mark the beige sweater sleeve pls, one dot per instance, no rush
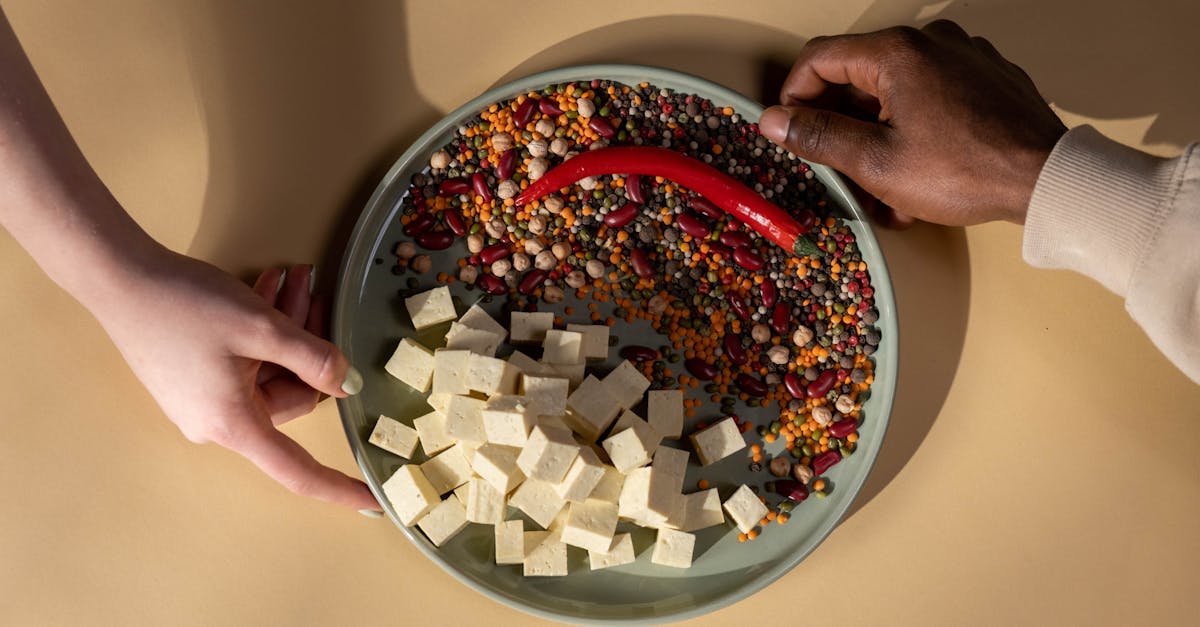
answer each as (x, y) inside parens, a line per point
(1132, 222)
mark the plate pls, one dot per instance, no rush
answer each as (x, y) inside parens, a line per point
(369, 318)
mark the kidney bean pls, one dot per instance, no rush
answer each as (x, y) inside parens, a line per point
(781, 318)
(602, 127)
(454, 220)
(506, 164)
(734, 350)
(843, 428)
(531, 281)
(793, 385)
(769, 292)
(641, 263)
(493, 253)
(524, 113)
(705, 207)
(435, 240)
(739, 307)
(751, 385)
(454, 186)
(548, 107)
(717, 248)
(735, 239)
(692, 225)
(639, 353)
(825, 461)
(418, 225)
(479, 184)
(700, 369)
(491, 284)
(748, 258)
(634, 190)
(807, 220)
(621, 216)
(822, 385)
(793, 490)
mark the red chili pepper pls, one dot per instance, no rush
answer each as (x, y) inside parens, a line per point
(741, 202)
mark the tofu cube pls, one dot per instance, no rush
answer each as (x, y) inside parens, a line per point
(497, 464)
(491, 376)
(573, 373)
(609, 486)
(439, 401)
(619, 554)
(464, 419)
(412, 364)
(510, 542)
(632, 447)
(450, 372)
(394, 437)
(673, 548)
(538, 501)
(702, 510)
(627, 384)
(590, 525)
(444, 521)
(745, 509)
(648, 498)
(547, 559)
(664, 411)
(530, 327)
(479, 341)
(593, 408)
(718, 442)
(429, 308)
(528, 365)
(672, 462)
(410, 493)
(485, 504)
(562, 347)
(582, 477)
(595, 339)
(431, 430)
(507, 420)
(548, 454)
(477, 318)
(447, 470)
(547, 395)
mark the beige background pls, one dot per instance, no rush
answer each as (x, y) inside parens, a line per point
(1041, 467)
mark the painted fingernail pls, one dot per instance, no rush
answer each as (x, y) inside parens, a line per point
(370, 513)
(774, 124)
(353, 383)
(312, 279)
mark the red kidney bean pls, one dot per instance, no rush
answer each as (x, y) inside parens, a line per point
(602, 127)
(843, 428)
(435, 240)
(506, 164)
(531, 281)
(751, 385)
(548, 107)
(748, 258)
(735, 239)
(705, 207)
(692, 225)
(491, 283)
(641, 263)
(717, 248)
(524, 114)
(454, 186)
(807, 220)
(639, 353)
(793, 385)
(700, 369)
(770, 293)
(793, 490)
(781, 318)
(822, 385)
(621, 216)
(734, 350)
(494, 253)
(634, 190)
(479, 184)
(418, 225)
(739, 307)
(825, 461)
(454, 220)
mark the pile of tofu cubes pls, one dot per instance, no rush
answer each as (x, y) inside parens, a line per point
(550, 439)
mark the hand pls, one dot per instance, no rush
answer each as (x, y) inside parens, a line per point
(229, 364)
(933, 122)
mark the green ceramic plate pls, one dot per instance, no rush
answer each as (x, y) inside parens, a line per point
(369, 320)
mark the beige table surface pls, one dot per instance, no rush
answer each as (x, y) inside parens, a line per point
(1042, 465)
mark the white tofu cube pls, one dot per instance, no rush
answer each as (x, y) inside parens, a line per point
(548, 454)
(477, 318)
(619, 554)
(447, 470)
(672, 462)
(664, 411)
(547, 559)
(593, 408)
(573, 373)
(702, 510)
(507, 420)
(490, 375)
(582, 477)
(431, 429)
(627, 384)
(444, 521)
(394, 437)
(479, 341)
(718, 442)
(510, 542)
(450, 372)
(528, 365)
(497, 464)
(530, 327)
(649, 497)
(429, 308)
(562, 347)
(485, 504)
(590, 525)
(538, 501)
(412, 364)
(632, 447)
(547, 395)
(439, 401)
(410, 493)
(673, 548)
(464, 419)
(595, 339)
(635, 493)
(609, 486)
(745, 509)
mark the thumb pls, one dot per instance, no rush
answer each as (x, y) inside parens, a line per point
(315, 361)
(827, 137)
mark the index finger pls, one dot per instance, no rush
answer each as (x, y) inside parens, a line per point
(854, 60)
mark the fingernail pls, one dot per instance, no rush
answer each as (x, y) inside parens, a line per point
(353, 383)
(312, 279)
(370, 513)
(774, 124)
